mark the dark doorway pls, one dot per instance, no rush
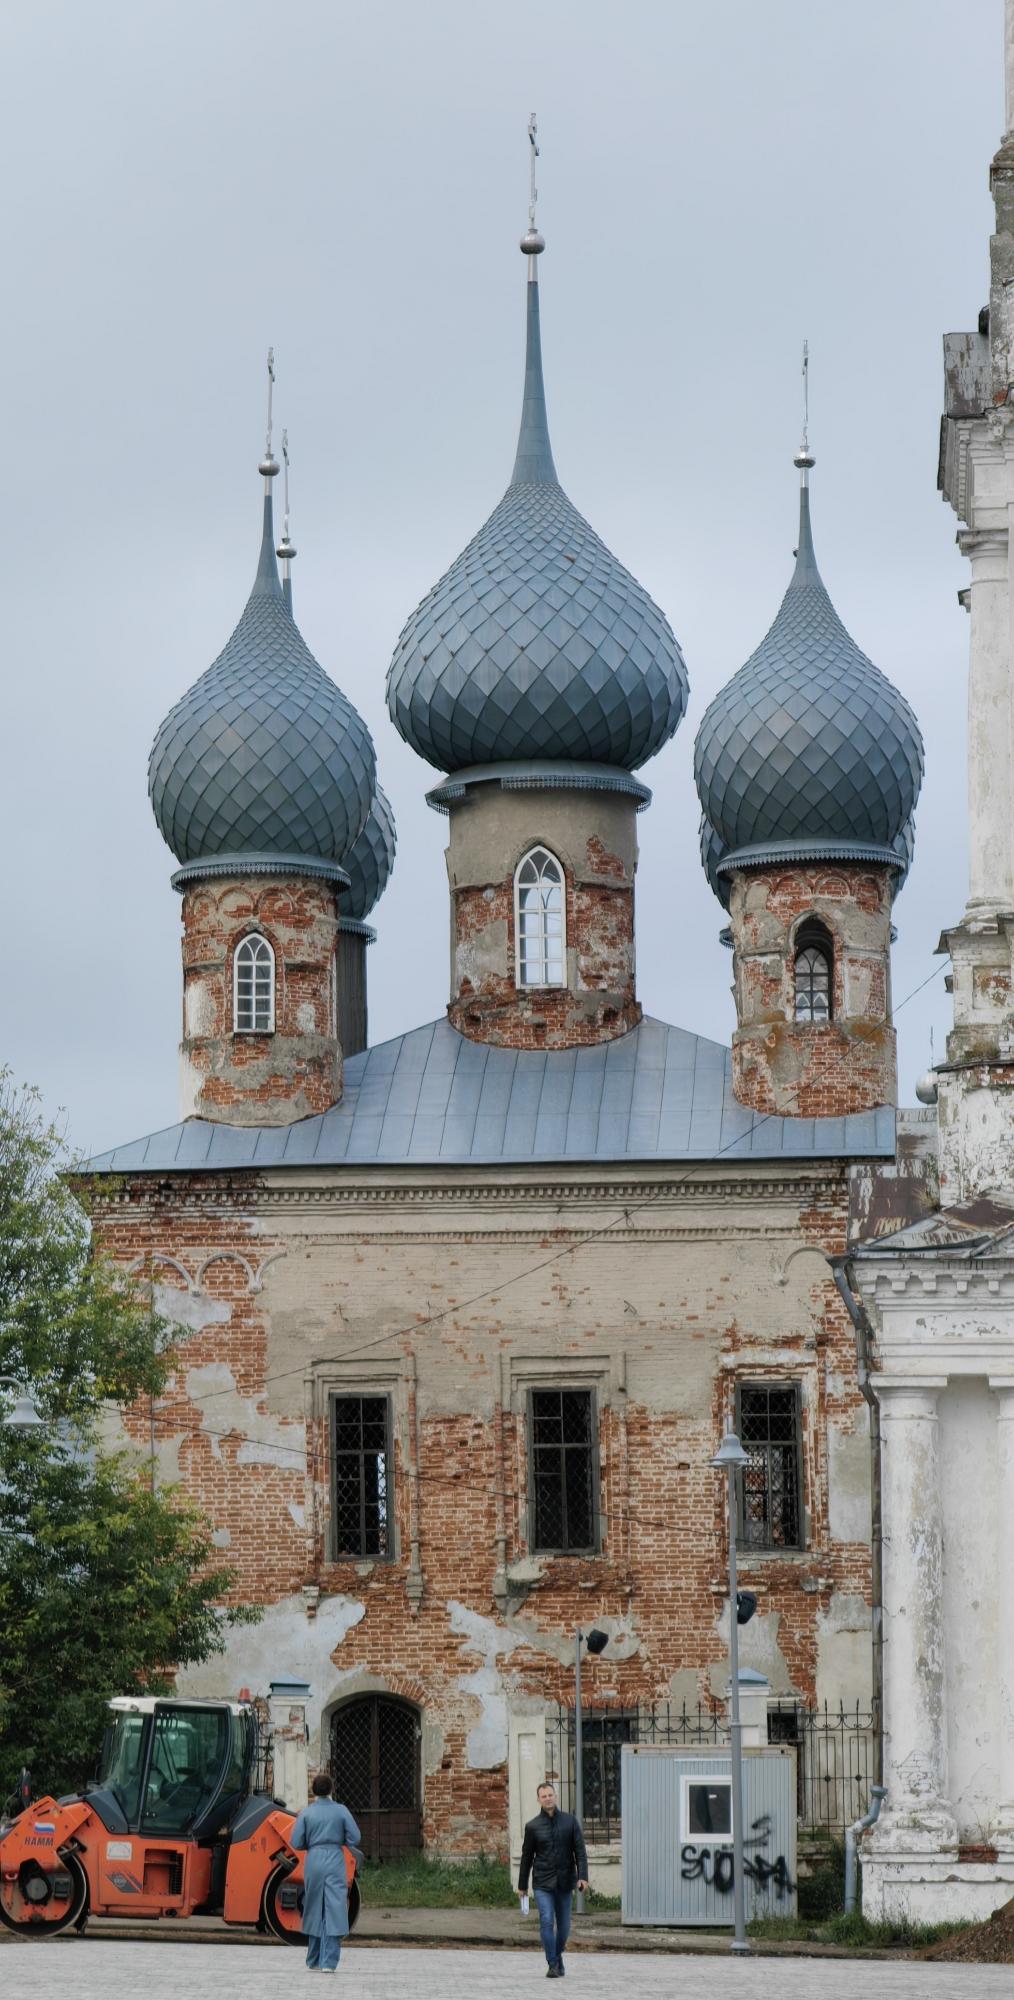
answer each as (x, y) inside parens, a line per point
(375, 1767)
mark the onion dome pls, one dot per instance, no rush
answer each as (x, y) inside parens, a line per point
(264, 762)
(809, 752)
(536, 643)
(369, 861)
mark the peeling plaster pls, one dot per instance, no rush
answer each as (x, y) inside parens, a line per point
(284, 1643)
(190, 1309)
(486, 1744)
(266, 1440)
(758, 1648)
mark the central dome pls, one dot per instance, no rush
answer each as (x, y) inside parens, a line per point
(536, 643)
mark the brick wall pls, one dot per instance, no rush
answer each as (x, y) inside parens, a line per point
(284, 1290)
(801, 1068)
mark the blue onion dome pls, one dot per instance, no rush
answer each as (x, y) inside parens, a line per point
(808, 752)
(369, 861)
(264, 760)
(536, 643)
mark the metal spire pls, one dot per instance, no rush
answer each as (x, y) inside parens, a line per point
(534, 461)
(531, 242)
(286, 548)
(269, 463)
(806, 561)
(804, 457)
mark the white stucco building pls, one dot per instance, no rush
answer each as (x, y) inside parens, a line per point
(934, 1304)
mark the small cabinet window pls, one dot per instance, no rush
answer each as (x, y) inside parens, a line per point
(707, 1811)
(539, 920)
(254, 987)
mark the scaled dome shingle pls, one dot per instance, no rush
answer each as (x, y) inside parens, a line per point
(808, 749)
(263, 756)
(536, 643)
(369, 861)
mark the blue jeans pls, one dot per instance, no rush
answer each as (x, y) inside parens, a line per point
(323, 1953)
(554, 1922)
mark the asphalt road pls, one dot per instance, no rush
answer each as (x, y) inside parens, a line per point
(103, 1969)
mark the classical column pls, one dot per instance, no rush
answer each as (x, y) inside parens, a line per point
(918, 1815)
(1003, 1825)
(990, 781)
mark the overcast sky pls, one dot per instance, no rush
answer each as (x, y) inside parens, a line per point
(189, 182)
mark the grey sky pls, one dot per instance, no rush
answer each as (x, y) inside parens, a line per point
(186, 183)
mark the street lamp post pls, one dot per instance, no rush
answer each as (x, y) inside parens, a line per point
(731, 1458)
(25, 1415)
(596, 1642)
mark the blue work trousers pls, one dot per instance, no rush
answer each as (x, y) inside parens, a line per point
(554, 1922)
(323, 1952)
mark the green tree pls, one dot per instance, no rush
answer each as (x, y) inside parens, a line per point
(105, 1585)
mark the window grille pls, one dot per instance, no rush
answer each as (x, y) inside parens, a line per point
(771, 1487)
(539, 920)
(813, 963)
(563, 1469)
(253, 970)
(361, 1523)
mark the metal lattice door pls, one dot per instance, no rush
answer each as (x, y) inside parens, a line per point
(375, 1767)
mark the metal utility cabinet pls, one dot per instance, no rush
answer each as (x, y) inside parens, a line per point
(677, 1834)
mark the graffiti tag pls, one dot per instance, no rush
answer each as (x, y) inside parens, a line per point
(716, 1865)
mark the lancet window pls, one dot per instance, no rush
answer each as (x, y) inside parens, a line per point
(814, 964)
(540, 919)
(253, 973)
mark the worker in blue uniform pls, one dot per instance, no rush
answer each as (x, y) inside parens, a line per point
(322, 1831)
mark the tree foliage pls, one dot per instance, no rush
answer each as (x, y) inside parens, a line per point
(106, 1586)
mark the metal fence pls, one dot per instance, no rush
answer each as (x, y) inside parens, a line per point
(835, 1755)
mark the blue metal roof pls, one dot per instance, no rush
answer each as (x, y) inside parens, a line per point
(536, 642)
(433, 1098)
(808, 751)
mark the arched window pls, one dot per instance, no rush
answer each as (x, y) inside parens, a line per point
(814, 965)
(253, 987)
(539, 921)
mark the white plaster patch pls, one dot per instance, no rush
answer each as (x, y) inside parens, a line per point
(758, 1648)
(298, 1513)
(486, 1744)
(221, 1539)
(267, 1440)
(191, 1309)
(286, 1643)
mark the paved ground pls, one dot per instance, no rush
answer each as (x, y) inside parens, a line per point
(93, 1969)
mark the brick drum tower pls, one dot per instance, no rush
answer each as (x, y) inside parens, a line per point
(263, 783)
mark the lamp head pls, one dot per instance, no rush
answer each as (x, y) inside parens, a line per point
(596, 1641)
(730, 1452)
(24, 1416)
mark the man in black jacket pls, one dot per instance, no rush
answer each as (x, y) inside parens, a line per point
(554, 1843)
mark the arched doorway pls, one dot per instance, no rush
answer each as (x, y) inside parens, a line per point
(375, 1766)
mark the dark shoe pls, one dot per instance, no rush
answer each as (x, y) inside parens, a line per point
(560, 1967)
(553, 1972)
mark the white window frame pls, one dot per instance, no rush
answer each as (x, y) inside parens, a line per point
(719, 1781)
(256, 949)
(536, 857)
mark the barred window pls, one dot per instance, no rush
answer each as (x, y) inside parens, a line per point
(361, 1523)
(813, 967)
(539, 920)
(564, 1469)
(768, 1421)
(253, 995)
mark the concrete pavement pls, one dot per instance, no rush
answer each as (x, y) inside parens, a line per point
(105, 1969)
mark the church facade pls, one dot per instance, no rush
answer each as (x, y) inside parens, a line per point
(461, 1318)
